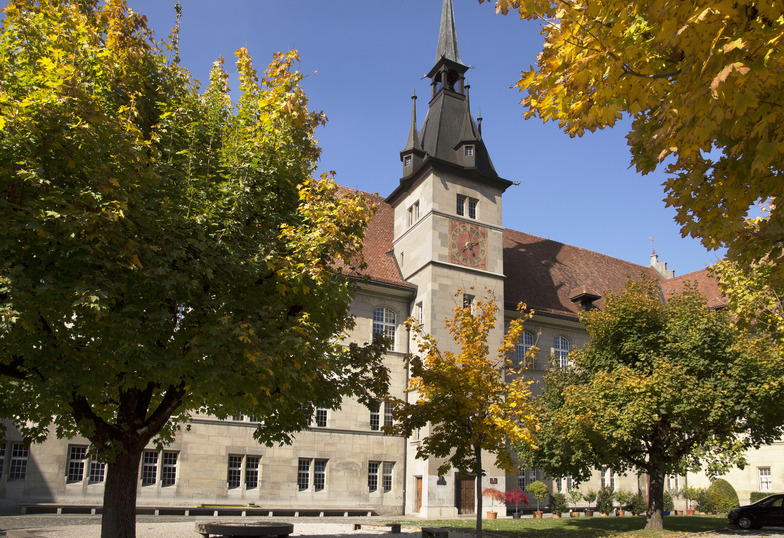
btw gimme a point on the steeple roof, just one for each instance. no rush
(447, 35)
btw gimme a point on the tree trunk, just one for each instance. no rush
(119, 495)
(655, 510)
(478, 472)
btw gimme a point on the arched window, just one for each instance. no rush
(523, 345)
(561, 350)
(385, 323)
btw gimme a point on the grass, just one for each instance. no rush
(587, 526)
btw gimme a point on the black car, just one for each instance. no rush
(768, 511)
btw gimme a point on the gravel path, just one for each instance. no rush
(65, 526)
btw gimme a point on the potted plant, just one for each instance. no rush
(604, 500)
(676, 494)
(689, 494)
(516, 497)
(494, 495)
(575, 496)
(637, 504)
(589, 496)
(557, 504)
(623, 498)
(541, 492)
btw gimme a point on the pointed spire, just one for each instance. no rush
(447, 35)
(468, 133)
(413, 135)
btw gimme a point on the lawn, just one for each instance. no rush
(588, 526)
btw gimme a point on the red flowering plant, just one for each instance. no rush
(516, 497)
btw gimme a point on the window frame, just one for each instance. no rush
(75, 468)
(385, 324)
(525, 343)
(373, 476)
(765, 479)
(561, 349)
(17, 467)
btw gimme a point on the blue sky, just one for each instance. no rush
(363, 61)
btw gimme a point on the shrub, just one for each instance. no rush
(722, 495)
(558, 503)
(704, 502)
(623, 497)
(575, 496)
(604, 500)
(759, 495)
(539, 490)
(516, 497)
(690, 494)
(669, 506)
(494, 495)
(637, 504)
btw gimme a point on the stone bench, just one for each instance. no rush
(434, 532)
(259, 529)
(393, 527)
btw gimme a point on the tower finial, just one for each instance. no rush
(413, 135)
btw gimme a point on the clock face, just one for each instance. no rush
(468, 245)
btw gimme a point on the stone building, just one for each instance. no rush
(438, 230)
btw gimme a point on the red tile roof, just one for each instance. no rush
(705, 282)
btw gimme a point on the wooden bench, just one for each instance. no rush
(434, 532)
(393, 527)
(259, 529)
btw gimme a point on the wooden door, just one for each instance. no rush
(418, 499)
(465, 491)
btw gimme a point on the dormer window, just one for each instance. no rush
(469, 151)
(407, 160)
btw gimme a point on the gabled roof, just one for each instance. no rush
(705, 282)
(544, 274)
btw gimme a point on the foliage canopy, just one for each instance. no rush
(650, 392)
(701, 83)
(163, 251)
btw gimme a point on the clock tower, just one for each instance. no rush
(448, 237)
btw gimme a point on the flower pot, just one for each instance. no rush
(678, 512)
(492, 515)
(516, 515)
(619, 512)
(588, 512)
(690, 512)
(574, 514)
(538, 514)
(555, 515)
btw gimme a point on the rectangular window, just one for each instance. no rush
(319, 475)
(252, 472)
(469, 151)
(472, 208)
(608, 478)
(375, 418)
(169, 469)
(238, 418)
(373, 467)
(149, 468)
(97, 470)
(2, 459)
(235, 472)
(388, 421)
(419, 313)
(461, 203)
(468, 300)
(765, 481)
(413, 214)
(386, 483)
(321, 418)
(18, 468)
(76, 457)
(303, 474)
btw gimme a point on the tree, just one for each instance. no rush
(472, 401)
(701, 83)
(163, 252)
(650, 393)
